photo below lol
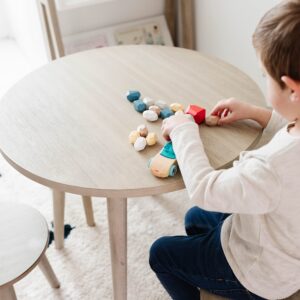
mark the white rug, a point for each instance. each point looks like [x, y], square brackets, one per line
[83, 266]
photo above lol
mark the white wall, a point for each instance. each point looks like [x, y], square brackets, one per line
[25, 29]
[4, 25]
[107, 13]
[224, 29]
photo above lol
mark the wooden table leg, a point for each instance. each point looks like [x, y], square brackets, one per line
[8, 293]
[117, 221]
[58, 211]
[88, 210]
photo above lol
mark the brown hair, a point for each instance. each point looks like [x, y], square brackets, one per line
[277, 41]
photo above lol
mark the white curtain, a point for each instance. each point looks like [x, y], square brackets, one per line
[4, 25]
[25, 28]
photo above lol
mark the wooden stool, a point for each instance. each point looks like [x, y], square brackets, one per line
[24, 239]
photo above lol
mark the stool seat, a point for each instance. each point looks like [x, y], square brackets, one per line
[24, 239]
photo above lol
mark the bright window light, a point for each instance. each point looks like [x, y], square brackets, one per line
[70, 4]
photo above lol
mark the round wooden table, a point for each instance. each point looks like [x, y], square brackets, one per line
[66, 126]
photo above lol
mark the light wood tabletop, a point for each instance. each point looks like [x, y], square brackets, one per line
[66, 126]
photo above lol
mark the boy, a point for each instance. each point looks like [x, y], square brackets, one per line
[244, 241]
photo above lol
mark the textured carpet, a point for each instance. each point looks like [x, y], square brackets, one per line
[83, 266]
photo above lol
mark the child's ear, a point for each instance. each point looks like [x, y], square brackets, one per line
[294, 86]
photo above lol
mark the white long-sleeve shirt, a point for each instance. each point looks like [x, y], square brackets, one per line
[261, 239]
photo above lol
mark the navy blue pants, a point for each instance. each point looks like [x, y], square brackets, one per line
[183, 264]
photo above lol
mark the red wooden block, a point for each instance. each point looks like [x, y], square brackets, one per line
[197, 112]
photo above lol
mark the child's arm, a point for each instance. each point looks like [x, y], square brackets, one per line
[231, 110]
[251, 186]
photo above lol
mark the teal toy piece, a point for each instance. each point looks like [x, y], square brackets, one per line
[133, 95]
[167, 151]
[139, 106]
[166, 112]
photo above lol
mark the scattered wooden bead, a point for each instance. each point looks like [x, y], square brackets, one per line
[212, 120]
[155, 108]
[150, 115]
[148, 101]
[166, 112]
[143, 130]
[140, 143]
[161, 104]
[151, 138]
[139, 105]
[133, 135]
[176, 107]
[133, 95]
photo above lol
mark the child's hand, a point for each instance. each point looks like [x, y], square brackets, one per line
[170, 123]
[230, 110]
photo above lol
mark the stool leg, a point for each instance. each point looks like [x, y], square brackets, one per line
[59, 211]
[88, 210]
[8, 293]
[46, 268]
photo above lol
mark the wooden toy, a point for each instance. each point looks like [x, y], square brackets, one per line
[166, 112]
[133, 95]
[133, 135]
[140, 143]
[155, 108]
[176, 107]
[142, 130]
[150, 115]
[197, 112]
[148, 101]
[139, 105]
[151, 138]
[161, 104]
[164, 163]
[212, 120]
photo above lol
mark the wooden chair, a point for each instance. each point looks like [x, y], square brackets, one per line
[24, 238]
[51, 29]
[180, 19]
[55, 50]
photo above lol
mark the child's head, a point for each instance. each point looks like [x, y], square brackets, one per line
[277, 42]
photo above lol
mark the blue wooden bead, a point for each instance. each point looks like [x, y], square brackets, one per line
[139, 105]
[133, 95]
[166, 112]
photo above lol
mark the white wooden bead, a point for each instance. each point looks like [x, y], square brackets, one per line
[143, 130]
[161, 104]
[150, 115]
[148, 101]
[155, 108]
[133, 136]
[140, 143]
